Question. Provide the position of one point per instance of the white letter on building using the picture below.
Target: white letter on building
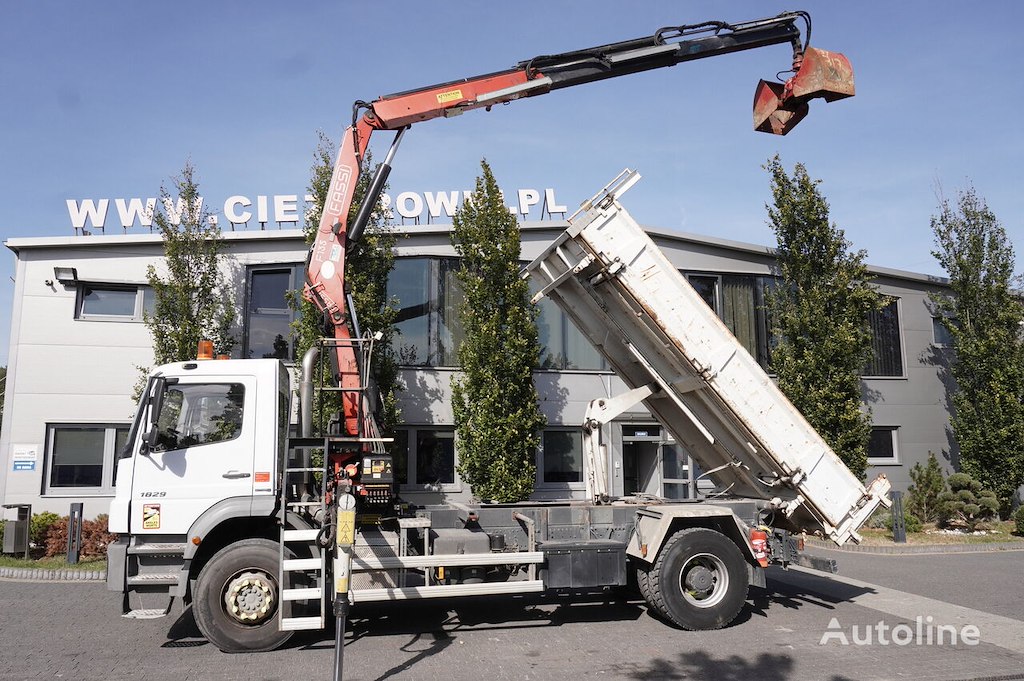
(96, 213)
(528, 198)
(176, 211)
(261, 209)
(286, 208)
(549, 201)
(134, 211)
(229, 209)
(403, 201)
(442, 201)
(385, 207)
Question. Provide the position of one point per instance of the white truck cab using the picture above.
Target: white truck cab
(196, 458)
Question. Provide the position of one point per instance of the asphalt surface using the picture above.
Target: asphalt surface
(992, 581)
(73, 631)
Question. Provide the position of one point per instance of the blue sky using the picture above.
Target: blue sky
(109, 99)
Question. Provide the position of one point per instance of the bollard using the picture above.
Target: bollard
(899, 528)
(74, 532)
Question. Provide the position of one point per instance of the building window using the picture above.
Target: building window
(562, 344)
(80, 458)
(886, 348)
(449, 322)
(113, 302)
(268, 313)
(430, 329)
(739, 301)
(561, 457)
(428, 325)
(195, 414)
(940, 333)
(425, 458)
(882, 447)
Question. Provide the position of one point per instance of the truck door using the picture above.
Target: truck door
(203, 453)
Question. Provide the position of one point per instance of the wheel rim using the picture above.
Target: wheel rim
(704, 580)
(249, 597)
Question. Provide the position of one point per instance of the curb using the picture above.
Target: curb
(41, 575)
(917, 549)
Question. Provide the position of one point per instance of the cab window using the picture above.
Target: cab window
(195, 414)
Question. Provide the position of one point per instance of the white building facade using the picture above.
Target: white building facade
(77, 342)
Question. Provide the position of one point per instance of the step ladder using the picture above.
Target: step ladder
(307, 578)
(300, 579)
(154, 573)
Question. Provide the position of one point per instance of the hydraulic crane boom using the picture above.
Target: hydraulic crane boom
(778, 107)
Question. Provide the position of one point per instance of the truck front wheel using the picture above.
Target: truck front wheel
(237, 598)
(699, 580)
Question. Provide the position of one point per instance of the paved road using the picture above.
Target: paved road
(72, 630)
(985, 580)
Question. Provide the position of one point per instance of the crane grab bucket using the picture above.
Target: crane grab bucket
(778, 107)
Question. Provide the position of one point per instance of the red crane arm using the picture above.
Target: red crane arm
(777, 109)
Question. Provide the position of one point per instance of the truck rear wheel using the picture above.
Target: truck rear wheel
(237, 598)
(699, 580)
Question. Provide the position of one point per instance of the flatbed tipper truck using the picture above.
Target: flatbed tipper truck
(219, 502)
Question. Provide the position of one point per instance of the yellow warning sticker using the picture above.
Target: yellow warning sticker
(346, 528)
(151, 516)
(450, 96)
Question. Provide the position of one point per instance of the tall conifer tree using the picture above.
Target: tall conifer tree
(984, 316)
(497, 417)
(819, 315)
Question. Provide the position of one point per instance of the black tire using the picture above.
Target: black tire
(643, 582)
(699, 580)
(246, 619)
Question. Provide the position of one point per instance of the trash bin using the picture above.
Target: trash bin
(16, 532)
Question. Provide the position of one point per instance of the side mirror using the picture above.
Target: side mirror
(156, 401)
(149, 440)
(155, 398)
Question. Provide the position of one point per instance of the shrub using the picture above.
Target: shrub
(1018, 519)
(912, 522)
(95, 538)
(959, 481)
(2, 523)
(989, 503)
(880, 520)
(923, 494)
(40, 527)
(966, 503)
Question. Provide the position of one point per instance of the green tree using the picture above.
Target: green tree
(368, 262)
(820, 315)
(497, 417)
(193, 299)
(983, 314)
(928, 483)
(966, 503)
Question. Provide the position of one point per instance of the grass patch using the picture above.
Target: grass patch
(1002, 532)
(91, 564)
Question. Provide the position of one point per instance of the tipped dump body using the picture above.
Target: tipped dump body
(715, 399)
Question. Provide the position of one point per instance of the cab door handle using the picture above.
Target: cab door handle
(234, 475)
